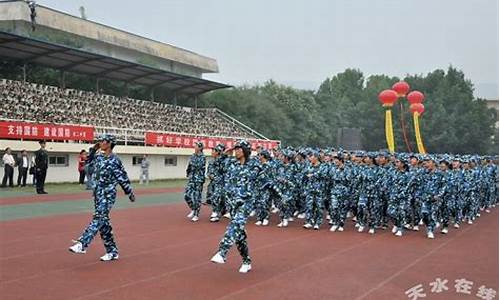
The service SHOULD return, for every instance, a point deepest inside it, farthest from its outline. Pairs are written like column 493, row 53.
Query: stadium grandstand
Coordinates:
column 69, row 119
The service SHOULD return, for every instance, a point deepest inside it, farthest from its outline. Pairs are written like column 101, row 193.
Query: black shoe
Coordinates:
column 43, row 192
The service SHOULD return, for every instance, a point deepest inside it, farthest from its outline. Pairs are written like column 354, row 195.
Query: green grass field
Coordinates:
column 68, row 188
column 85, row 204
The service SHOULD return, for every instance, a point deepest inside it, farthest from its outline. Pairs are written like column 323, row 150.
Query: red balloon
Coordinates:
column 417, row 107
column 388, row 97
column 415, row 97
column 401, row 88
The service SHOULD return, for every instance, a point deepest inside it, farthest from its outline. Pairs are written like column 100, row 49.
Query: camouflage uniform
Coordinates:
column 196, row 178
column 314, row 187
column 456, row 198
column 339, row 194
column 239, row 187
column 399, row 197
column 286, row 185
column 217, row 182
column 432, row 194
column 109, row 172
column 368, row 205
column 414, row 211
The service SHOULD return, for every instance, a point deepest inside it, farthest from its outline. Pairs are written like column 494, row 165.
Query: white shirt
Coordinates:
column 8, row 159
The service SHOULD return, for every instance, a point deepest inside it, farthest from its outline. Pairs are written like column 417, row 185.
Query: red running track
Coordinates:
column 164, row 256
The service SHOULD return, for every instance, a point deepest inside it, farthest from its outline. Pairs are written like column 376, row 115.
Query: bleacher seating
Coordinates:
column 49, row 104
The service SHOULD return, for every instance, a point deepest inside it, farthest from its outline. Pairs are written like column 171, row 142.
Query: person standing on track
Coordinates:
column 109, row 172
column 239, row 188
column 41, row 166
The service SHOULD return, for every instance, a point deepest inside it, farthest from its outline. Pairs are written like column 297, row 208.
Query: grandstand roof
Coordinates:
column 30, row 50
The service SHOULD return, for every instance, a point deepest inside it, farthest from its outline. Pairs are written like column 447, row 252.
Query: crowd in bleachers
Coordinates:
column 50, row 104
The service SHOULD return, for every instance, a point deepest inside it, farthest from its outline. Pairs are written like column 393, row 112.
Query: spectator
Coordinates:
column 9, row 164
column 81, row 166
column 41, row 166
column 144, row 170
column 23, row 165
column 39, row 103
column 33, row 170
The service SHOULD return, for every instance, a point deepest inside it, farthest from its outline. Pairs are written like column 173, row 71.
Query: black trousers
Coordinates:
column 21, row 178
column 82, row 177
column 8, row 174
column 40, row 179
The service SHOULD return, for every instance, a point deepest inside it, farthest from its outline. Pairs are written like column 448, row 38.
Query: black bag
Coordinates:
column 32, row 170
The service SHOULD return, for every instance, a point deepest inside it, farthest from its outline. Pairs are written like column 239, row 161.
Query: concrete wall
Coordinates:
column 104, row 40
column 69, row 173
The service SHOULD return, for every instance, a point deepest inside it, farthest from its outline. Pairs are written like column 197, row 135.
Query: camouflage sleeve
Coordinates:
column 121, row 176
column 91, row 156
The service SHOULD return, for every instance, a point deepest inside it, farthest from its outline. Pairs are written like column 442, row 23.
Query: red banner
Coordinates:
column 33, row 131
column 186, row 141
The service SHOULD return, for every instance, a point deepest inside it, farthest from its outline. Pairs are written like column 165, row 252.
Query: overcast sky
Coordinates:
column 301, row 42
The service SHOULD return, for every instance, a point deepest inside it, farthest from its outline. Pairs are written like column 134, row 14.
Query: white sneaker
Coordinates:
column 328, row 217
column 77, row 248
column 487, row 211
column 283, row 223
column 430, row 235
column 470, row 222
column 340, row 229
column 415, row 228
column 438, row 224
column 290, row 219
column 213, row 215
column 356, row 225
column 371, row 231
column 190, row 215
column 296, row 213
column 258, row 223
column 301, row 216
column 407, row 226
column 274, row 210
column 330, row 222
column 394, row 229
column 265, row 222
column 245, row 268
column 354, row 219
column 227, row 215
column 307, row 226
column 334, row 228
column 216, row 219
column 398, row 233
column 110, row 256
column 421, row 222
column 252, row 213
column 195, row 219
column 478, row 215
column 349, row 214
column 361, row 228
column 218, row 259
column 444, row 230
column 456, row 225
column 316, row 227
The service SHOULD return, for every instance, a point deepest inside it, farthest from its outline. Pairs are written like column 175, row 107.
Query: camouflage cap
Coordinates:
column 264, row 153
column 243, row 144
column 107, row 137
column 220, row 148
